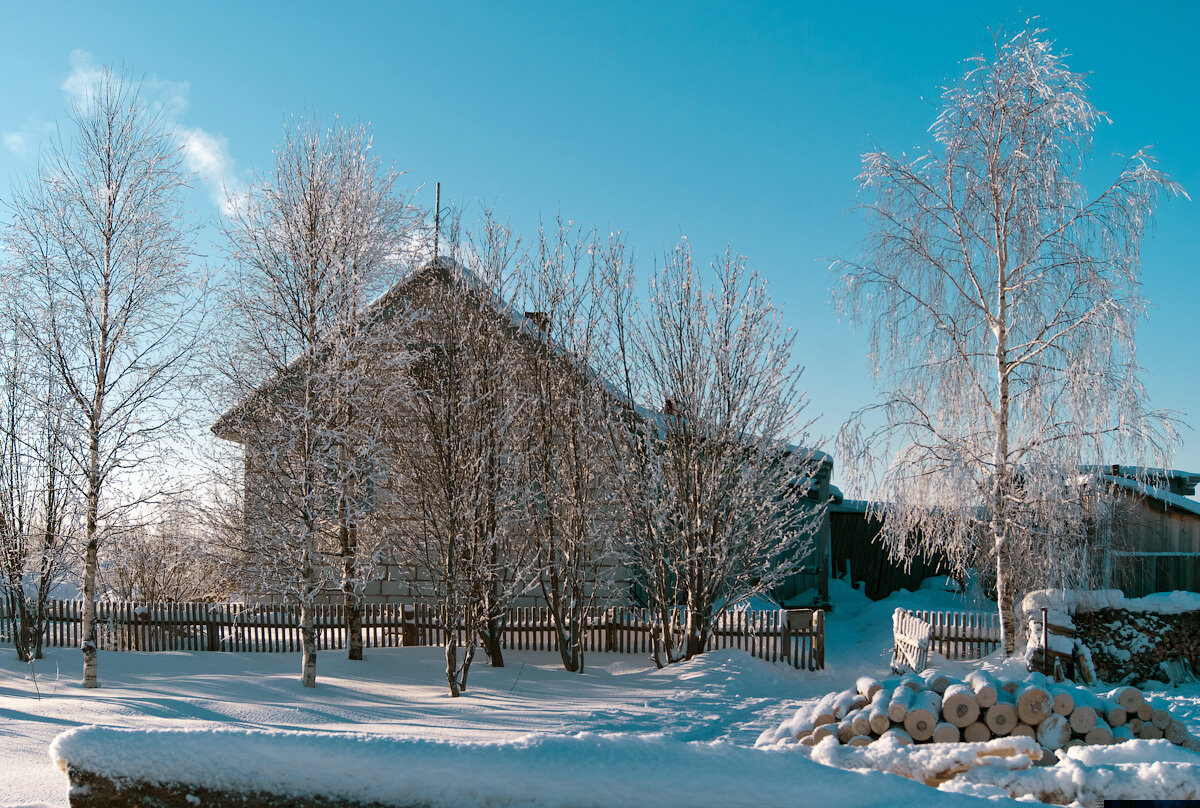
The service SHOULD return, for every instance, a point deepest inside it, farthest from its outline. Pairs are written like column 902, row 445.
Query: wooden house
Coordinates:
column 395, row 582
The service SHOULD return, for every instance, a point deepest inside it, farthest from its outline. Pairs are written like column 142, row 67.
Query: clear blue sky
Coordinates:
column 739, row 123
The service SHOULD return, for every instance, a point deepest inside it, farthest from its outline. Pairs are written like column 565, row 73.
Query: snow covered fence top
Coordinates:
column 584, row 771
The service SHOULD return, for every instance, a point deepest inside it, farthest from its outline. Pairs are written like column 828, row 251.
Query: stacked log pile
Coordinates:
column 1132, row 646
column 936, row 708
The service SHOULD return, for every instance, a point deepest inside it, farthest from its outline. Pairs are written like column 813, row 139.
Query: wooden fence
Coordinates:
column 796, row 637
column 954, row 635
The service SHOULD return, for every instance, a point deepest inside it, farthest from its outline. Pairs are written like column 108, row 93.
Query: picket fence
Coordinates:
column 954, row 635
column 796, row 637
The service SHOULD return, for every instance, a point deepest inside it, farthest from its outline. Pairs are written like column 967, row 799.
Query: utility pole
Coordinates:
column 437, row 217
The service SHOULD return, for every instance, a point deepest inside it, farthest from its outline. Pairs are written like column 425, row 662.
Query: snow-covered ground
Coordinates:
column 710, row 710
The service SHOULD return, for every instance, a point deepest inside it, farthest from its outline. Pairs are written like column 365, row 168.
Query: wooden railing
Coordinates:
column 796, row 637
column 954, row 635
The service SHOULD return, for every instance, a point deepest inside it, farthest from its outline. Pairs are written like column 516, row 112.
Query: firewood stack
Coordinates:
column 935, row 708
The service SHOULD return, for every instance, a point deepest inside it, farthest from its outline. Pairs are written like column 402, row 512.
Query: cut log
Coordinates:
column 959, row 706
column 810, row 740
column 877, row 714
column 822, row 711
column 1128, row 697
column 1175, row 732
column 1144, row 711
column 1054, row 731
column 1064, row 701
column 1116, row 715
column 1160, row 718
column 1026, row 730
column 823, row 731
column 923, row 717
column 802, row 734
column 861, row 721
column 1149, row 732
column 913, row 682
column 976, row 733
column 1010, row 687
column 1100, row 734
column 1001, row 717
column 860, row 740
column 868, row 687
column 1083, row 718
column 896, row 735
column 1033, row 704
column 1122, row 734
column 985, row 688
column 1134, row 725
column 946, row 732
column 844, row 702
column 936, row 680
column 845, row 729
column 901, row 701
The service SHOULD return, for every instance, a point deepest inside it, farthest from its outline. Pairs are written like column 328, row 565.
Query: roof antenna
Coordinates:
column 437, row 215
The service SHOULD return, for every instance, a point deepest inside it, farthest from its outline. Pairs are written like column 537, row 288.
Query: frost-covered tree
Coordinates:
column 714, row 496
column 459, row 494
column 1001, row 302
column 169, row 555
column 565, row 455
column 105, row 260
column 38, row 508
column 313, row 244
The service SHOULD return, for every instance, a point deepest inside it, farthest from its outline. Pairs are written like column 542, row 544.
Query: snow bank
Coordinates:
column 1161, row 751
column 929, row 763
column 584, row 770
column 1070, row 781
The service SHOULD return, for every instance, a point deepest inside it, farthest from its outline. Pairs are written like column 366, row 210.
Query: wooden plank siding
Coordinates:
column 796, row 638
column 857, row 551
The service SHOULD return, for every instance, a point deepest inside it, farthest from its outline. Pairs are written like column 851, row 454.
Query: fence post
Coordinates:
column 818, row 643
column 785, row 640
column 210, row 630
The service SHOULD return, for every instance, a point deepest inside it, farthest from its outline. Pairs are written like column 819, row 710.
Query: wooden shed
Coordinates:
column 1155, row 531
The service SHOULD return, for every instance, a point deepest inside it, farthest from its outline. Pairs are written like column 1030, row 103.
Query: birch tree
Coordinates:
column 461, row 498
column 1001, row 302
column 715, row 494
column 565, row 455
column 104, row 252
column 313, row 243
column 38, row 509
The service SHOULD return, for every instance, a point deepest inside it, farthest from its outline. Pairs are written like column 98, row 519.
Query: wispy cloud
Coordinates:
column 17, row 143
column 207, row 156
column 204, row 154
column 23, row 143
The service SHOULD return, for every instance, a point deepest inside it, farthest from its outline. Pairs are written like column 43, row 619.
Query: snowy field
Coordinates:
column 699, row 718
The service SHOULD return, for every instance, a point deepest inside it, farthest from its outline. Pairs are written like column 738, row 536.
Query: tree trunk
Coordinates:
column 494, row 640
column 452, row 663
column 466, row 668
column 90, row 566
column 570, row 648
column 348, row 536
column 308, row 644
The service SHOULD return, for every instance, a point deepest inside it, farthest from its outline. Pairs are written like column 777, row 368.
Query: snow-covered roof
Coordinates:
column 1175, row 481
column 380, row 310
column 1145, row 489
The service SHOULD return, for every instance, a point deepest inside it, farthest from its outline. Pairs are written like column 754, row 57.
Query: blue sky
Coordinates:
column 738, row 123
